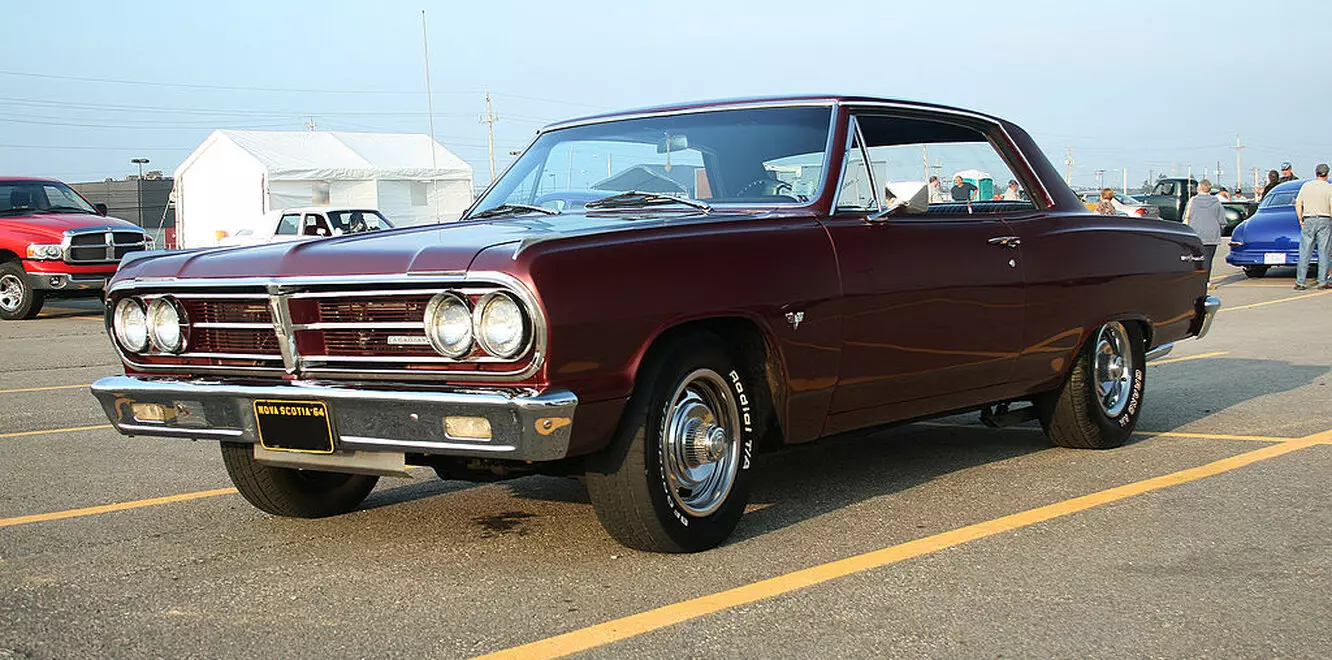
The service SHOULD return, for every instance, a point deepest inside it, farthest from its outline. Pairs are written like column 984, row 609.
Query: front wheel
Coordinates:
column 1101, row 400
column 677, row 476
column 1255, row 271
column 293, row 493
column 18, row 300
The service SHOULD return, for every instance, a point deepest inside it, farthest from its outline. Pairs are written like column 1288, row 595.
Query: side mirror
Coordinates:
column 909, row 198
column 101, row 208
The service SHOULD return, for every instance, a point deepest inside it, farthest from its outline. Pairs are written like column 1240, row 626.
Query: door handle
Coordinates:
column 1006, row 241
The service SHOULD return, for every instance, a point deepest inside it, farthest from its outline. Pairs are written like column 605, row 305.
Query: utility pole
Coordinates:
column 139, row 188
column 310, row 125
column 1068, row 166
column 1239, row 170
column 1124, row 171
column 489, row 120
column 925, row 160
column 430, row 112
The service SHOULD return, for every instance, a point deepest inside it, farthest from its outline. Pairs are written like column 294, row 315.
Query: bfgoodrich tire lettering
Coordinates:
column 677, row 477
column 293, row 493
column 1101, row 400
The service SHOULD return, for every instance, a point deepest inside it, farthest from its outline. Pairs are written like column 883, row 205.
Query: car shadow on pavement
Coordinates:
column 1192, row 391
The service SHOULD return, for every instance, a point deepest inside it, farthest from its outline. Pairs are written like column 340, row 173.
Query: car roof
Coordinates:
column 764, row 101
column 322, row 209
column 1285, row 186
column 39, row 179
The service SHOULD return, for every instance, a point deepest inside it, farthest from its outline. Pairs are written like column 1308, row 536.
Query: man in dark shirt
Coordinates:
column 962, row 191
column 1287, row 173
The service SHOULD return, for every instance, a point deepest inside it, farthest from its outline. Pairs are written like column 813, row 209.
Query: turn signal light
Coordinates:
column 154, row 413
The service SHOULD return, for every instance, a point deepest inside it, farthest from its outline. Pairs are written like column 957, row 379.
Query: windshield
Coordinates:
column 25, row 197
column 355, row 222
column 753, row 157
column 1283, row 198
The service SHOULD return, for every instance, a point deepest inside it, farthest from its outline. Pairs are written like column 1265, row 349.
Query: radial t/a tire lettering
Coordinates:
column 1101, row 400
column 293, row 493
column 678, row 474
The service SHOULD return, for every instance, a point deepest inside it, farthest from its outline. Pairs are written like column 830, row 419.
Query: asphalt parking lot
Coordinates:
column 1207, row 535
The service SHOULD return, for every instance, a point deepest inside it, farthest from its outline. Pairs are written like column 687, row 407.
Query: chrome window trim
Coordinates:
column 343, row 367
column 724, row 107
column 992, row 127
column 854, row 135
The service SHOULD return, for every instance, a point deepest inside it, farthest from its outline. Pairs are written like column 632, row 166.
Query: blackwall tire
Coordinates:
column 678, row 474
column 18, row 300
column 1255, row 271
column 293, row 493
column 1101, row 400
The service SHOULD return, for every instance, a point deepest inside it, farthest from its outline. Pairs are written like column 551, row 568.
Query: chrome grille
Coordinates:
column 328, row 328
column 102, row 244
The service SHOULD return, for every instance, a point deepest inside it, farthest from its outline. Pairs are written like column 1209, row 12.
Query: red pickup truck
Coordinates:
column 56, row 244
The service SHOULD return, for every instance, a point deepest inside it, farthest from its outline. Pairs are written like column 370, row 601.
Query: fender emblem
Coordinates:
column 794, row 318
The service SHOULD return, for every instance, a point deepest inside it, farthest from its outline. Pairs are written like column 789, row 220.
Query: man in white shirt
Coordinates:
column 1313, row 206
column 1011, row 193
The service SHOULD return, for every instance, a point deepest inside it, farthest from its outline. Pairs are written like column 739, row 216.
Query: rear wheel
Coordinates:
column 18, row 300
column 677, row 477
column 1101, row 400
column 293, row 493
column 1255, row 271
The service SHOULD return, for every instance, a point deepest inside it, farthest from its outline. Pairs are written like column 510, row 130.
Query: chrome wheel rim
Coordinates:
column 11, row 292
column 700, row 442
column 1113, row 367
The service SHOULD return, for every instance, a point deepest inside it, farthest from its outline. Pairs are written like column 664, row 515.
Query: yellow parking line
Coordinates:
column 1189, row 357
column 108, row 508
column 50, row 431
column 669, row 615
column 1273, row 302
column 45, row 389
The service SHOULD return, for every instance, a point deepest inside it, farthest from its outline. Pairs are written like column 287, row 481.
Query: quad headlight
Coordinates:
column 129, row 321
column 166, row 325
column 502, row 328
column 448, row 325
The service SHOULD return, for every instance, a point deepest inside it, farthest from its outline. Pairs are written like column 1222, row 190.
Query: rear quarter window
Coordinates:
column 1284, row 198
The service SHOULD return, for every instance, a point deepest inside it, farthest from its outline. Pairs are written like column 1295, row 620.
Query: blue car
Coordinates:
column 1272, row 236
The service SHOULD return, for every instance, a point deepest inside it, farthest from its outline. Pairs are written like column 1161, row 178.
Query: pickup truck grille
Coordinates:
column 102, row 245
column 326, row 333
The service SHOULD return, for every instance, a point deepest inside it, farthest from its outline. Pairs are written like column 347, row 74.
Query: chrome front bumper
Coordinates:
column 525, row 425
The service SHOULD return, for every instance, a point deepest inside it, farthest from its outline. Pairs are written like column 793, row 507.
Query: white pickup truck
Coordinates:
column 304, row 222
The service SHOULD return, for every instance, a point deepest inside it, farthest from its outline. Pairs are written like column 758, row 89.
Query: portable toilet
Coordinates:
column 984, row 184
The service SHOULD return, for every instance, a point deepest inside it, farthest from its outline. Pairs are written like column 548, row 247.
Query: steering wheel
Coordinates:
column 777, row 186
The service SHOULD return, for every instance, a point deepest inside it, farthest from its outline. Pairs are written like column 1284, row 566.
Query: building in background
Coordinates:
column 234, row 178
column 122, row 198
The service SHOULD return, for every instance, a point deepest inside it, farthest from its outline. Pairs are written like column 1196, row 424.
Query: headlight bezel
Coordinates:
column 119, row 325
column 479, row 316
column 158, row 306
column 46, row 251
column 433, row 308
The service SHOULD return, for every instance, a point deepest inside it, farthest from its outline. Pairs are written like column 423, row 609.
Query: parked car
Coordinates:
column 56, row 244
column 1272, row 236
column 1123, row 203
column 1171, row 194
column 305, row 222
column 652, row 343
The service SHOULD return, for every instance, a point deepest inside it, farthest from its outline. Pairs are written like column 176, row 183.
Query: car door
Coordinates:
column 932, row 303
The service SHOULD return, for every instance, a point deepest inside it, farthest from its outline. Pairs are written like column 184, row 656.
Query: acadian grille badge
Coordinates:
column 408, row 340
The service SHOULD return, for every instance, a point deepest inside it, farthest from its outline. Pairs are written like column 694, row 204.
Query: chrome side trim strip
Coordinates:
column 186, row 432
column 1160, row 351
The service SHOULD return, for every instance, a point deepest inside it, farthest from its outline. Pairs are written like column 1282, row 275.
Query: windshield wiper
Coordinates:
column 17, row 211
column 634, row 198
column 70, row 208
column 511, row 209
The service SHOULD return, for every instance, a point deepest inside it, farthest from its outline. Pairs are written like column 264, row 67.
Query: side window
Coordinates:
column 856, row 192
column 957, row 163
column 314, row 225
column 1164, row 188
column 287, row 225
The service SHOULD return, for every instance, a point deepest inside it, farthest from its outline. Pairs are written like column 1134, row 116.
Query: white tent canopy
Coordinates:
column 235, row 177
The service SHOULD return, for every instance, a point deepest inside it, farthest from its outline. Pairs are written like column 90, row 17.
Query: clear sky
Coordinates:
column 1131, row 84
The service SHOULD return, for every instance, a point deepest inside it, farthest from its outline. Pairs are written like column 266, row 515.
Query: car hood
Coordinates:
column 56, row 224
column 1271, row 227
column 422, row 249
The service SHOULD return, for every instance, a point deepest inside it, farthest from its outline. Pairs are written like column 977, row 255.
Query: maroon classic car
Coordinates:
column 647, row 300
